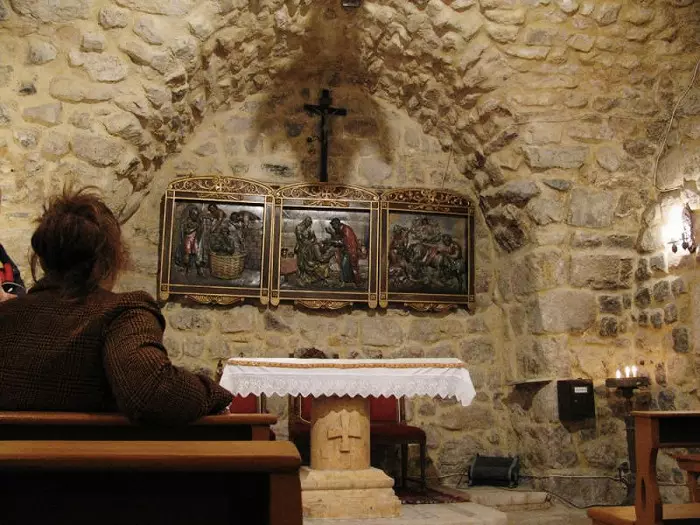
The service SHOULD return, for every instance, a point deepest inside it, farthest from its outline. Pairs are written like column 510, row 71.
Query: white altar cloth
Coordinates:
column 349, row 377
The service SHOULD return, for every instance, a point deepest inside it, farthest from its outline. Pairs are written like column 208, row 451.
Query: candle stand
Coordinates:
column 627, row 386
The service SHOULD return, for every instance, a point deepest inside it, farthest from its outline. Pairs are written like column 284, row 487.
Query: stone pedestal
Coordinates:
column 340, row 482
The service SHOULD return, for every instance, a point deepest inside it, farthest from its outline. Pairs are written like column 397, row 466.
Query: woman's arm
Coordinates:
column 145, row 384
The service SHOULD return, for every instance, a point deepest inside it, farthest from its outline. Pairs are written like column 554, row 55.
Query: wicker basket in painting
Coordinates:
column 226, row 266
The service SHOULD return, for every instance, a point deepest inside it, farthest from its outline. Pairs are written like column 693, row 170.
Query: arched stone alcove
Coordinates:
column 573, row 123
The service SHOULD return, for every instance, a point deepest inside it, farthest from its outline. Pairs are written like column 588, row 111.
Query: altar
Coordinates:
column 340, row 482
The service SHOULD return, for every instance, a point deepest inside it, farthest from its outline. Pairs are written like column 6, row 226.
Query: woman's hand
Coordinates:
column 4, row 296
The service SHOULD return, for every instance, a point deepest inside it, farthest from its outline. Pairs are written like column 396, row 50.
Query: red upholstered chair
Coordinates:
column 388, row 427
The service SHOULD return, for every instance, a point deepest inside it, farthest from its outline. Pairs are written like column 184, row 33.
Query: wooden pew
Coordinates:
column 691, row 464
column 115, row 427
column 149, row 482
column 655, row 430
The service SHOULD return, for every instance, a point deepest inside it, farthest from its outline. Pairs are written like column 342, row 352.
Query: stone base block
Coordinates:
column 360, row 494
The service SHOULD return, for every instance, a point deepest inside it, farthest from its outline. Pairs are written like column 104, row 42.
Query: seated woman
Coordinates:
column 72, row 344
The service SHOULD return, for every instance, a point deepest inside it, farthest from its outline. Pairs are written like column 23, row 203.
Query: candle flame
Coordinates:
column 627, row 371
column 618, row 374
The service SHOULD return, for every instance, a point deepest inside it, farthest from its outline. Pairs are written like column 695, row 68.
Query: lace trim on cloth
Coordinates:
column 419, row 379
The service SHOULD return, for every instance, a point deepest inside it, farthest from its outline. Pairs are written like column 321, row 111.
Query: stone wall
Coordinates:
column 555, row 115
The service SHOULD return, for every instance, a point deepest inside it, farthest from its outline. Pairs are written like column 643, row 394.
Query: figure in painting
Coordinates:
column 188, row 254
column 218, row 216
column 421, row 256
column 222, row 241
column 343, row 238
column 312, row 258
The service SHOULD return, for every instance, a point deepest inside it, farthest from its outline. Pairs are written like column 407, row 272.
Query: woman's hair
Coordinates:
column 78, row 242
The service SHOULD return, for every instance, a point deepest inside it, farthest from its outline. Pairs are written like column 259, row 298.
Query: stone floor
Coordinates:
column 470, row 514
column 443, row 514
column 487, row 507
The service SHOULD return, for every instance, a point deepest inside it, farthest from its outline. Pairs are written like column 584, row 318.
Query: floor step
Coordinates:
column 440, row 514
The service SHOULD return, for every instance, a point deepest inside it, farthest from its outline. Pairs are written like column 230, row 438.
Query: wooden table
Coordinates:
column 115, row 427
column 655, row 430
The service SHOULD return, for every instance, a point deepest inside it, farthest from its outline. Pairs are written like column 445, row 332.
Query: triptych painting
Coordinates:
column 326, row 246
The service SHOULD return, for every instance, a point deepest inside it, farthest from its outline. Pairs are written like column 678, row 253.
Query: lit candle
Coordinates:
column 618, row 374
column 627, row 371
column 634, row 371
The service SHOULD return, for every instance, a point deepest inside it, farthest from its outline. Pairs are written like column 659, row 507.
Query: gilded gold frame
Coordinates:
column 215, row 189
column 320, row 196
column 315, row 196
column 426, row 201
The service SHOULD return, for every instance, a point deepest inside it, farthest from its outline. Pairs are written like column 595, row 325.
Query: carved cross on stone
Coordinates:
column 325, row 110
column 346, row 425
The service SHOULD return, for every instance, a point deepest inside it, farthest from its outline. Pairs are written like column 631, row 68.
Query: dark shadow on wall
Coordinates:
column 327, row 55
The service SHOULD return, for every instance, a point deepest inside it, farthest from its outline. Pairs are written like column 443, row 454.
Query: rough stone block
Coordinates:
column 656, row 318
column 546, row 157
column 509, row 226
column 72, row 90
column 559, row 184
column 379, row 331
column 538, row 133
column 52, row 11
column 592, row 208
column 607, row 13
column 581, row 42
column 546, row 211
column 27, row 138
column 100, row 68
column 41, row 52
column 113, row 17
column 190, row 320
column 475, row 416
column 662, row 291
column 643, row 318
column 93, row 42
column 678, row 286
column 608, row 327
column 96, row 149
column 670, row 313
column 681, row 339
column 55, row 145
column 517, row 192
column 477, row 349
column 600, row 271
column 642, row 297
column 158, row 7
column 562, row 310
column 546, row 356
column 643, row 272
column 45, row 114
column 610, row 304
column 541, row 269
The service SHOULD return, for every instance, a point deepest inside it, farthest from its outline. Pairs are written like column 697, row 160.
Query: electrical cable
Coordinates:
column 662, row 147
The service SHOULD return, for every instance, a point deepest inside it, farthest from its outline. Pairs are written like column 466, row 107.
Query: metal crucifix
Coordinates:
column 325, row 110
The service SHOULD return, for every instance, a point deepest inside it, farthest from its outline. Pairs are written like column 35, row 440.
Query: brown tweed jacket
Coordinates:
column 101, row 353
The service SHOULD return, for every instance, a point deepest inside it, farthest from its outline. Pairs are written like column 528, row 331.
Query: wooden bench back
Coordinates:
column 115, row 427
column 155, row 482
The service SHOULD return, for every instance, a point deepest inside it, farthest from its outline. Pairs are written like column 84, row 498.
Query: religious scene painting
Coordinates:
column 321, row 245
column 427, row 253
column 217, row 244
column 324, row 249
column 427, row 249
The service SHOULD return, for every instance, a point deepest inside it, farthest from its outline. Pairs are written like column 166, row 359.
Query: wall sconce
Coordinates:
column 351, row 3
column 681, row 228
